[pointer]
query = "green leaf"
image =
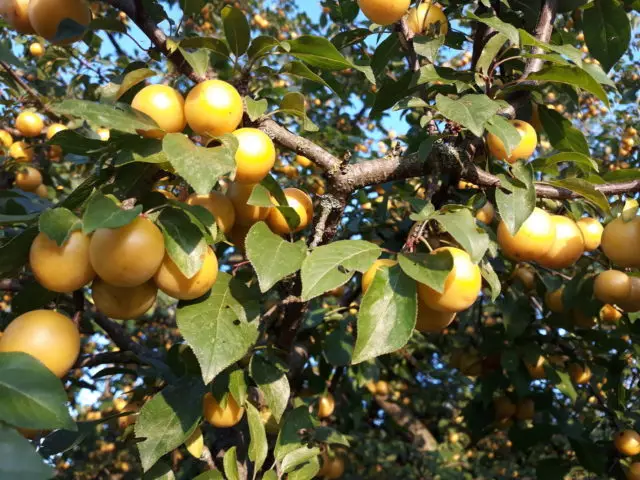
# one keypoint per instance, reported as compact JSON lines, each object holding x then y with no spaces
{"x":107,"y":24}
{"x":428,"y":47}
{"x":191,"y":7}
{"x":144,"y":150}
{"x":201,"y":167}
{"x":214,"y":45}
{"x":104,"y":212}
{"x":562,"y":134}
{"x":222,"y":328}
{"x":31,"y":296}
{"x":516,"y":197}
{"x":489,"y":274}
{"x":505,"y":131}
{"x":293,"y":103}
{"x":489,"y":52}
{"x":471,"y":111}
{"x":504,"y":28}
{"x":72,"y":141}
{"x":258,"y":447}
{"x":261,"y":46}
{"x":238,"y":385}
{"x":581,"y":161}
{"x":430,"y":269}
{"x":462,"y":226}
{"x":289,"y":438}
{"x":117,"y":116}
{"x":168,"y":419}
{"x":272,"y":257}
{"x":562,"y":381}
{"x":270,"y":376}
{"x":586,"y":190}
{"x":132,"y":79}
{"x":385,"y":52}
{"x":330,"y":266}
{"x":210,"y":475}
{"x":160,"y":471}
{"x":574,"y":76}
{"x":19,"y":458}
{"x":183,"y":240}
{"x":58,"y":224}
{"x":338,"y":346}
{"x":256,"y":108}
{"x":199,"y":60}
{"x":236,"y":29}
{"x":32,"y":396}
{"x":6,"y":54}
{"x":387,"y":315}
{"x":299,"y":69}
{"x":15,"y":253}
{"x":607,"y":31}
{"x":318,"y":52}
{"x":230,"y":464}
{"x":298,"y":457}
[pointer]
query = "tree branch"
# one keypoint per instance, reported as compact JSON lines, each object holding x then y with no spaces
{"x":119,"y":335}
{"x":135,"y":10}
{"x":30,"y":91}
{"x":422,"y":437}
{"x":543,"y":32}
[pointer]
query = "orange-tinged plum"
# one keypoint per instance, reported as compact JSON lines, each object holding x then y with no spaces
{"x":36,"y":49}
{"x":592,"y":231}
{"x":42,"y":191}
{"x":6,"y":140}
{"x":486,"y":213}
{"x":627,"y":442}
{"x":524,"y":150}
{"x":369,"y":275}
{"x":219,"y":206}
{"x":29,"y":124}
{"x":427,"y":18}
{"x":123,"y":303}
{"x":610,"y":314}
{"x":536,"y":370}
{"x":46,"y":335}
{"x":16,"y":13}
{"x":303,"y":206}
{"x":582,"y":320}
{"x":28,"y":179}
{"x":503,"y":408}
{"x":246,"y":214}
{"x":127,"y":256}
{"x":632,"y":302}
{"x":526,"y":277}
{"x":326,"y":405}
{"x":432,"y":321}
{"x":47,"y":15}
{"x":63,"y":268}
{"x":21,"y":152}
{"x":255,"y":156}
{"x":174,"y":283}
{"x":221,"y":417}
{"x":567,"y":247}
{"x":384,"y":12}
{"x":303,"y":161}
{"x":580,"y":374}
{"x":553,"y":300}
{"x":617,"y":238}
{"x":213,"y":108}
{"x":461,"y":287}
{"x":633,"y":471}
{"x":165,"y":106}
{"x":612,"y":286}
{"x":534,"y":239}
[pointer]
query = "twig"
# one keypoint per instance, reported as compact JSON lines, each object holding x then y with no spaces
{"x":32,"y":93}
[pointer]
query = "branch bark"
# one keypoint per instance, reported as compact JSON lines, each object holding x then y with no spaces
{"x":544,"y":29}
{"x":30,"y":91}
{"x":422,"y":437}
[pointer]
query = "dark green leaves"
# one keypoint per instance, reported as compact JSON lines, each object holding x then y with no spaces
{"x":184,"y":240}
{"x":471,"y":111}
{"x":574,"y":76}
{"x":462,"y":226}
{"x":222,"y":328}
{"x":258,"y":448}
{"x":270,"y":376}
{"x":58,"y":224}
{"x":562,"y":134}
{"x":432,"y":270}
{"x":117,"y":117}
{"x":19,"y":459}
{"x":201,"y":167}
{"x":586,"y":190}
{"x":607,"y":31}
{"x":333,"y":265}
{"x":505,"y":131}
{"x":516,"y":197}
{"x":387,"y":315}
{"x":168,"y":419}
{"x":32,"y":396}
{"x":236,"y":29}
{"x":318,"y":52}
{"x":15,"y":252}
{"x":272,"y":257}
{"x":504,"y":28}
{"x":104,"y":212}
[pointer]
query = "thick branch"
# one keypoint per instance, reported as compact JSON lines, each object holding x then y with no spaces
{"x":135,"y":10}
{"x":119,"y":335}
{"x":300,"y":145}
{"x":122,"y":357}
{"x":422,"y":437}
{"x":543,"y":32}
